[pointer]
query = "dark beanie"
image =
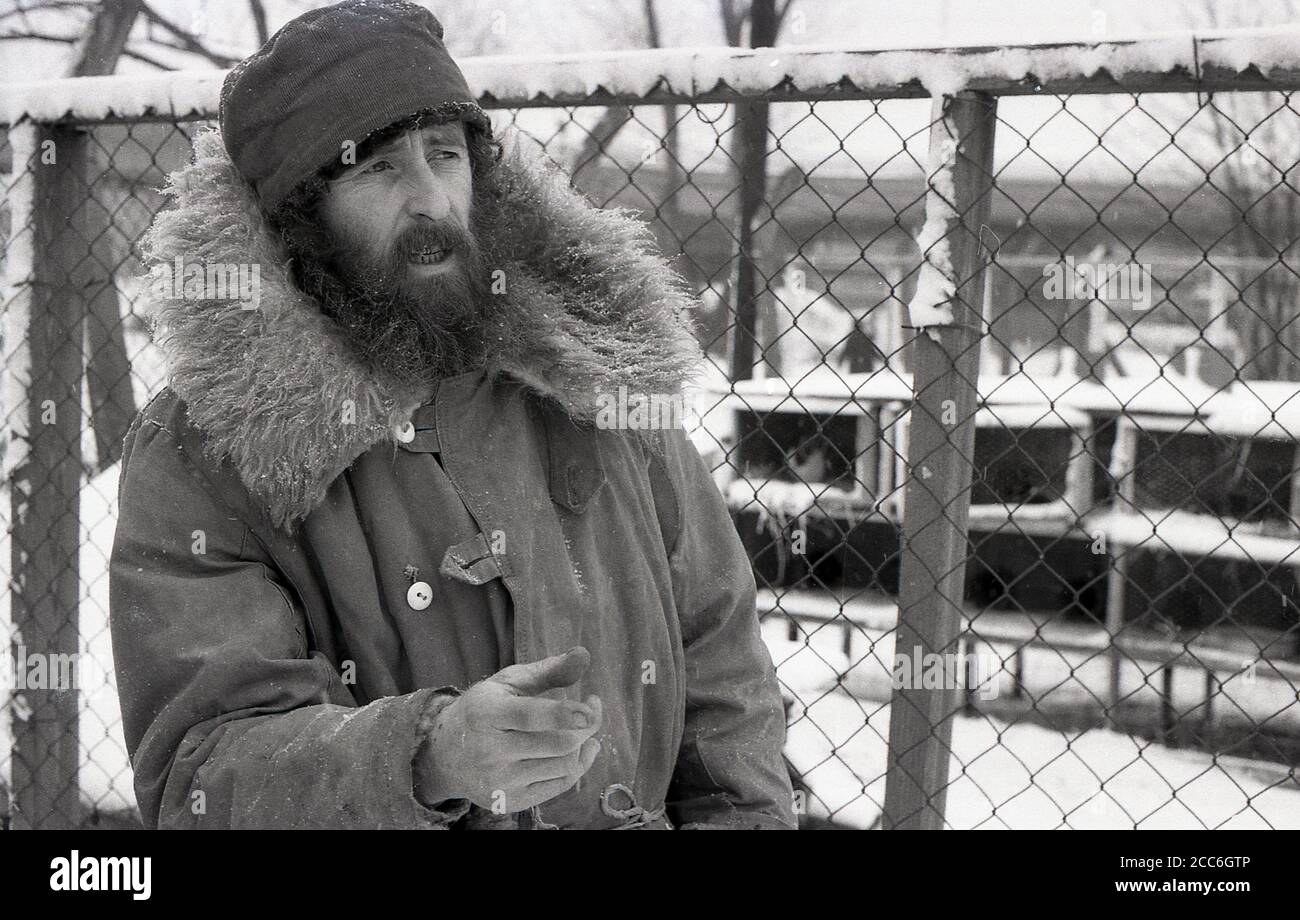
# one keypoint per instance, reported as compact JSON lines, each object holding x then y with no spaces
{"x":334,"y":75}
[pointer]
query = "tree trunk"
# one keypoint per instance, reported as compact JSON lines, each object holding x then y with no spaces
{"x":108,"y":367}
{"x":750,"y":154}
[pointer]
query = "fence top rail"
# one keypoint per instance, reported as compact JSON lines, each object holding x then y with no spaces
{"x":1238,"y":59}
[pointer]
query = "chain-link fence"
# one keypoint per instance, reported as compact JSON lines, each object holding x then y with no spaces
{"x":1002,"y":394}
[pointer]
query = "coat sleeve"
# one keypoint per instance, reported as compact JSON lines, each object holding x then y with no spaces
{"x":730,"y":771}
{"x":230,"y":720}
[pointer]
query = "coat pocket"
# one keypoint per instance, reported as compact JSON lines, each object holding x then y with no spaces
{"x":474,"y":562}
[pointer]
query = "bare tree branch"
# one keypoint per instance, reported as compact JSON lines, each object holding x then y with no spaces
{"x":107,"y":364}
{"x":733,"y":21}
{"x":105,"y":38}
{"x":188,"y":41}
{"x":615,"y":117}
{"x":781,"y":10}
{"x":652,"y":24}
{"x":72,"y":40}
{"x":22,"y":11}
{"x":600,"y":135}
{"x":258,"y":9}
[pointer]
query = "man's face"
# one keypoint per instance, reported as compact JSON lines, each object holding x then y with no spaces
{"x":403,"y":209}
{"x":404,"y":250}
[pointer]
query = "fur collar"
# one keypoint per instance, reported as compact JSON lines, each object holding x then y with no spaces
{"x":279,"y":395}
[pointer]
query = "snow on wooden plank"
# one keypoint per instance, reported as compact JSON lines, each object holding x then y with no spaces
{"x":1187,"y":534}
{"x":177,"y":95}
{"x":1236,"y":59}
{"x":931,"y":304}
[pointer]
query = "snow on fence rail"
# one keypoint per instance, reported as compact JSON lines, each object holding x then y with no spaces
{"x":1240,"y":59}
{"x":929,"y":615}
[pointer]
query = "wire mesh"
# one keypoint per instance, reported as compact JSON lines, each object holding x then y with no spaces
{"x":1128,"y":649}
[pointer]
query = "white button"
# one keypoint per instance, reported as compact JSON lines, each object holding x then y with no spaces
{"x":419,"y":596}
{"x":406,"y":434}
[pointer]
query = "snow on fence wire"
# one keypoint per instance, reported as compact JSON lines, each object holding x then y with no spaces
{"x":1002,"y":395}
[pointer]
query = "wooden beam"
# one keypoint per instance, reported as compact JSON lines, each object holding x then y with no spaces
{"x":941,"y":444}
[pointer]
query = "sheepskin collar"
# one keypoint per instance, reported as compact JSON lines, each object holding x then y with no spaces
{"x":279,"y":395}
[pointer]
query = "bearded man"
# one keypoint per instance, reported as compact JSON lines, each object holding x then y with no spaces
{"x":376,"y":566}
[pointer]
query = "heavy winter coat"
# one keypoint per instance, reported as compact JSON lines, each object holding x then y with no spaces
{"x":273,"y":670}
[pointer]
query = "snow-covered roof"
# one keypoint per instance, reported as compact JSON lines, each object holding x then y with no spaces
{"x":1258,"y":409}
{"x":1266,"y":409}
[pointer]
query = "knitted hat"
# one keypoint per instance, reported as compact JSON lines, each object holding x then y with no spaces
{"x":331,"y":76}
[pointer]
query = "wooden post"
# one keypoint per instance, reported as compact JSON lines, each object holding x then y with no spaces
{"x":971,"y":675}
{"x":1078,"y":472}
{"x":1123,"y":468}
{"x":1293,"y":505}
{"x":46,"y":488}
{"x":750,"y":154}
{"x":1168,"y":715}
{"x":108,"y":367}
{"x":1207,"y":716}
{"x":889,"y":321}
{"x":1116,"y":582}
{"x":933,"y":575}
{"x":866,"y":457}
{"x":888,"y":457}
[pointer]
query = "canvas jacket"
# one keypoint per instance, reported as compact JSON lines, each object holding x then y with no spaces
{"x":279,"y":501}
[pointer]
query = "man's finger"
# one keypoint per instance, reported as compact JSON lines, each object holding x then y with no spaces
{"x":597,"y":710}
{"x":542,"y":770}
{"x":543,"y":792}
{"x":571,"y":767}
{"x":587,"y":755}
{"x":530,"y":714}
{"x":535,"y":745}
{"x":552,"y":673}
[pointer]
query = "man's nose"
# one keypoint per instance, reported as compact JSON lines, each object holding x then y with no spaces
{"x":426,"y":195}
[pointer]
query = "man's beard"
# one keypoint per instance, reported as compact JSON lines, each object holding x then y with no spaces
{"x":414,"y":330}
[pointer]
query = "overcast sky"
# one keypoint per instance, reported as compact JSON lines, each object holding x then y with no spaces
{"x":557,"y":26}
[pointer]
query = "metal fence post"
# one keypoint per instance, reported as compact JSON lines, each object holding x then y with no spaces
{"x":46,"y":490}
{"x":939,"y":456}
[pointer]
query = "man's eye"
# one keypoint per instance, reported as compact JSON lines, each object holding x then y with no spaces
{"x":378,"y":166}
{"x":444,"y":155}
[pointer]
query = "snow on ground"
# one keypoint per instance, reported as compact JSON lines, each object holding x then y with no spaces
{"x":1029,"y":777}
{"x":1020,"y":776}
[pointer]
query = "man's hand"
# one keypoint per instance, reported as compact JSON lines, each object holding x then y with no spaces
{"x":502,"y":745}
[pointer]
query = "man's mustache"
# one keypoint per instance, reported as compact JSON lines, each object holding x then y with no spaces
{"x":428,"y":235}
